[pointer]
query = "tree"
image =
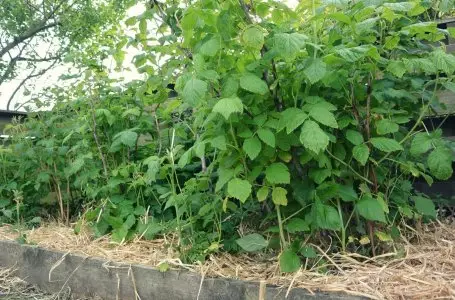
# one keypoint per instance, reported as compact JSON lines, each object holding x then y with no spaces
{"x":36,"y":35}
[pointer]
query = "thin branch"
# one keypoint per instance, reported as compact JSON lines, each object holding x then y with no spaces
{"x":31,"y":59}
{"x":30,"y":76}
{"x":30,"y":33}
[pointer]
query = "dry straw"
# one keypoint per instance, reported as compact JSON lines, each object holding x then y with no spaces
{"x":423,"y":268}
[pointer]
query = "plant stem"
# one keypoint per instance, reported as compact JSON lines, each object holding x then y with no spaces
{"x":280,"y":225}
{"x":343,"y":228}
{"x":350,"y":168}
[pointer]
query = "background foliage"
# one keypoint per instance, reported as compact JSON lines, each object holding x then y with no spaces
{"x":284,"y":127}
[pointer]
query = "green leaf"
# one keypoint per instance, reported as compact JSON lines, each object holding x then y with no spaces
{"x":228,"y":106}
{"x":4,"y":203}
{"x":319,"y":175}
{"x":315,"y":70}
{"x":295,"y":119}
{"x":386,"y":144}
{"x":211,"y":47}
{"x":267,"y":136}
{"x":262,"y":193}
{"x":326,"y":216}
{"x":253,"y":84}
{"x":354,"y":137}
{"x":313,"y":137}
{"x":252,"y":242}
{"x":386,"y":126}
{"x":371,"y":209}
{"x":425,"y":206}
{"x":296,"y":225}
{"x":239,"y":189}
{"x":401,"y":6}
{"x":127,"y":138}
{"x":153,"y":167}
{"x":308,"y":252}
{"x":397,"y":68}
{"x":252,"y":147}
{"x":361,"y":153}
{"x":278,"y":173}
{"x":420,"y":144}
{"x":230,"y":87}
{"x":289,"y":261}
{"x":253,"y":37}
{"x":323,"y":116}
{"x":279,"y":196}
{"x":194,"y":91}
{"x":219,"y":142}
{"x":440,"y":163}
{"x":288,"y":44}
{"x":391,"y":42}
{"x":224,"y":175}
{"x":347,"y":193}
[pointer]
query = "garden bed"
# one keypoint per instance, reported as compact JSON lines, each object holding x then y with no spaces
{"x":421,"y":267}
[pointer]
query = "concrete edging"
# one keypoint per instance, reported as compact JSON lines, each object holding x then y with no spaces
{"x":55,"y":271}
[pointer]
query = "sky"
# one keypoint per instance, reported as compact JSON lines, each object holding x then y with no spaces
{"x":52,"y":77}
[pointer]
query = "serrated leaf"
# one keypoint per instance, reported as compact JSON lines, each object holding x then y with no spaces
{"x":420,"y":144}
{"x":278,"y":173}
{"x":347,"y":193}
{"x":279,"y":196}
{"x":397,"y":68}
{"x":252,"y":242}
{"x":289,"y":261}
{"x":194,"y":91}
{"x":252,"y":147}
{"x":262,"y":193}
{"x":211,"y":47}
{"x":386,"y":144}
{"x":253,"y":84}
{"x":295,"y":120}
{"x":296,"y":225}
{"x":440,"y":163}
{"x":386,"y":126}
{"x":253,"y":37}
{"x":230,"y":87}
{"x":224,"y":175}
{"x":219,"y":142}
{"x":361,"y":153}
{"x":153,"y":167}
{"x":267,"y":136}
{"x":425,"y":206}
{"x":228,"y":106}
{"x":315,"y":70}
{"x":288,"y":44}
{"x":239,"y":189}
{"x":370,"y":209}
{"x":326,"y":216}
{"x":319,"y":175}
{"x":323,"y":116}
{"x":313,"y":137}
{"x":308,"y":252}
{"x":291,"y":118}
{"x":354,"y":137}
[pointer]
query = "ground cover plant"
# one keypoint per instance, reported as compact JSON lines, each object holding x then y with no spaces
{"x":257,"y":128}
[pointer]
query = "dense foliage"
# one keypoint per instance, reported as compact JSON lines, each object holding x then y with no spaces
{"x":286,"y":126}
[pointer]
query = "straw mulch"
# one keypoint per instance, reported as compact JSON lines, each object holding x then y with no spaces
{"x":14,"y":288}
{"x":421,"y":269}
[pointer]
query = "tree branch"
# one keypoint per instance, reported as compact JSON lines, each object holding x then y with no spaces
{"x":30,"y":76}
{"x":31,"y":59}
{"x":30,"y":33}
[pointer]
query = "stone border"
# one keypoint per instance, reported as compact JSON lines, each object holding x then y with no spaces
{"x":55,"y":271}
